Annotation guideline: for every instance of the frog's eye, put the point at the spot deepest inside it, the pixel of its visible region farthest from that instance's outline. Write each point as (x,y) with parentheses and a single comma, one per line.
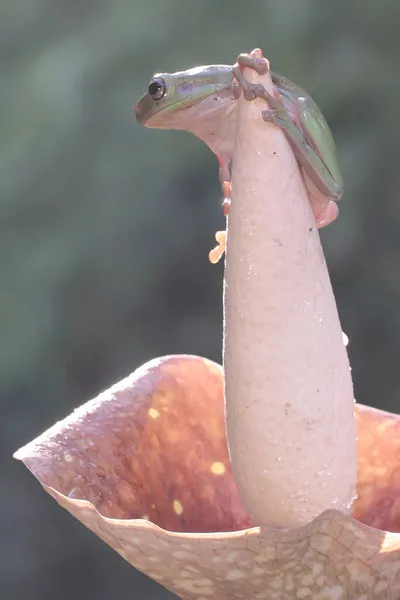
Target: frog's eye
(157,88)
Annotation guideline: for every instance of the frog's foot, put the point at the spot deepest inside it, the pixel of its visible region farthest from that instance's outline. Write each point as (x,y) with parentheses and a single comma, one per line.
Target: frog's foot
(251,91)
(226,204)
(276,112)
(226,190)
(260,65)
(216,253)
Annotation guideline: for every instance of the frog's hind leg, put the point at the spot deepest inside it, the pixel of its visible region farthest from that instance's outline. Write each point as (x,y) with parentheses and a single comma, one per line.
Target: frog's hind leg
(226,190)
(216,253)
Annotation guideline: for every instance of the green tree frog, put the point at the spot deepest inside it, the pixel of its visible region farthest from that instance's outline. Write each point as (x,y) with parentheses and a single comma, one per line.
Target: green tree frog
(202,101)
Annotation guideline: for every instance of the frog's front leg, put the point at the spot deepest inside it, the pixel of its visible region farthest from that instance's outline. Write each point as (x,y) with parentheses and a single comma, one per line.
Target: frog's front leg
(323,188)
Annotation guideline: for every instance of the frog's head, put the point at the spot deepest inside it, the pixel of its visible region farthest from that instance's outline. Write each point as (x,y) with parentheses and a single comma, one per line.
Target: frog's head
(172,98)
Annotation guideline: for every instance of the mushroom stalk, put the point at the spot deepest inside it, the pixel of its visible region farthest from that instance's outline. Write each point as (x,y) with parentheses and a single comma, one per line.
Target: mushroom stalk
(288,389)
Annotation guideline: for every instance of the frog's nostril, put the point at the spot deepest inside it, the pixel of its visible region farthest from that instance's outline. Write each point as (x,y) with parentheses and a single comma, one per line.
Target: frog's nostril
(144,109)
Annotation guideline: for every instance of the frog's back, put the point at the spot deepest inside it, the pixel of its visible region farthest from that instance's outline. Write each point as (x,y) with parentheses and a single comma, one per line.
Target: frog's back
(307,116)
(292,93)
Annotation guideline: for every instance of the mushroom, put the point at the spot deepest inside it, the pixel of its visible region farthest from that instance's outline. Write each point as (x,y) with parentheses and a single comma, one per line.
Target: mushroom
(145,465)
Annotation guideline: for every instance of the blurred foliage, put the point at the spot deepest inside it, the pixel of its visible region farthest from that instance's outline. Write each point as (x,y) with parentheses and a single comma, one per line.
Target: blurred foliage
(106,226)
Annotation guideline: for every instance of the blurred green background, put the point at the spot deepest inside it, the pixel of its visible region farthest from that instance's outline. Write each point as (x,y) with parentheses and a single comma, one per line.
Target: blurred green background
(106,226)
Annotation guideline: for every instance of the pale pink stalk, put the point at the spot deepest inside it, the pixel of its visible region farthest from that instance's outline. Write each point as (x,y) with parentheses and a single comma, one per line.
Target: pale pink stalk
(289,394)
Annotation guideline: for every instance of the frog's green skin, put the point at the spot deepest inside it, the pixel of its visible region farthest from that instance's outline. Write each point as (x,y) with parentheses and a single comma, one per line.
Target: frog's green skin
(201,101)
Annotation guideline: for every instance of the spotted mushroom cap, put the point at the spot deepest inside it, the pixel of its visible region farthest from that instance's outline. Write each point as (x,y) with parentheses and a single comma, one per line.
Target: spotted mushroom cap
(145,466)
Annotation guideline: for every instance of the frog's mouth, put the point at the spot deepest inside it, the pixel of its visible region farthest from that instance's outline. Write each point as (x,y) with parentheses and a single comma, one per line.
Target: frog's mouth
(190,110)
(147,110)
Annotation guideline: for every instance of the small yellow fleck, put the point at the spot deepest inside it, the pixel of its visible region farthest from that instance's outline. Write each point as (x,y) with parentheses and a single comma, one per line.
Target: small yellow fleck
(218,468)
(178,508)
(68,457)
(153,413)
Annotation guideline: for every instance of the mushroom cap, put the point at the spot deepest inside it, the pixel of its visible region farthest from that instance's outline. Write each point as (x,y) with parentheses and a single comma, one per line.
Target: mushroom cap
(145,466)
